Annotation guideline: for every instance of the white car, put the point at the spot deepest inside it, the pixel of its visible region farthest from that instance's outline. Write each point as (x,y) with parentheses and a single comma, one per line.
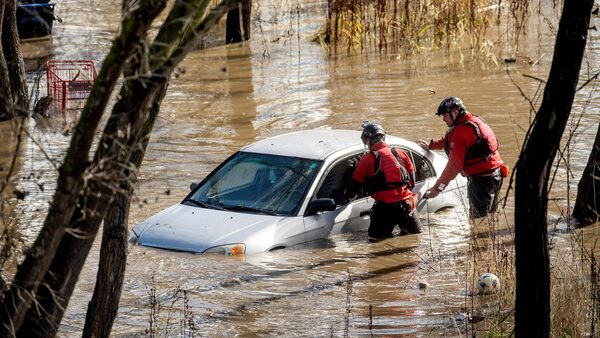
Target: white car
(283,191)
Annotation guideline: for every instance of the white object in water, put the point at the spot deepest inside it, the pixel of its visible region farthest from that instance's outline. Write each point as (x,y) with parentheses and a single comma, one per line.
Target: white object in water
(488,283)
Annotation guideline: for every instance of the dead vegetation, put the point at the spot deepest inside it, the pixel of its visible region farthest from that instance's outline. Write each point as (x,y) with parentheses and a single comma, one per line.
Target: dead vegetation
(406,26)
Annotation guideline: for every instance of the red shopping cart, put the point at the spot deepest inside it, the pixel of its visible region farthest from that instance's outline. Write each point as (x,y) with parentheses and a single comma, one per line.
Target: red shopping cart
(69,83)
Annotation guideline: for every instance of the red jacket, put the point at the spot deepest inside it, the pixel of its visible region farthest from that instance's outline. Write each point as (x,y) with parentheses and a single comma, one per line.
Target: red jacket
(366,170)
(461,143)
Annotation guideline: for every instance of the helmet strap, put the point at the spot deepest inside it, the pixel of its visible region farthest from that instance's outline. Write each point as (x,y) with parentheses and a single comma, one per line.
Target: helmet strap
(454,119)
(366,142)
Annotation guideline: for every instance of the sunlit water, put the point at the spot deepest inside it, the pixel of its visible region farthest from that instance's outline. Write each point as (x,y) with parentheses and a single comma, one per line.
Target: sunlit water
(226,97)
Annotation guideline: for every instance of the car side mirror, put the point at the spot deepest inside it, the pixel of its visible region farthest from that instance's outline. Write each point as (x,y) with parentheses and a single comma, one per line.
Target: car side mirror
(193,185)
(320,204)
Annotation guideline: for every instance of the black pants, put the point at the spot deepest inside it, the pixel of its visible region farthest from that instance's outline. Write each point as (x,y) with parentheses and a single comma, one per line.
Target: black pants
(386,216)
(483,194)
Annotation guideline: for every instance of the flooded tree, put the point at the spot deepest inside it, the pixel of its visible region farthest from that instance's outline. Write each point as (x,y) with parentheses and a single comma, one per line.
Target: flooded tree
(35,301)
(13,87)
(238,23)
(587,204)
(532,304)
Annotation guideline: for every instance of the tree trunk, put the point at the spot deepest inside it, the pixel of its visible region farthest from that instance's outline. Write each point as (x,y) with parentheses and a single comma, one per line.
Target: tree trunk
(233,29)
(238,30)
(104,305)
(14,59)
(246,15)
(587,204)
(6,100)
(532,305)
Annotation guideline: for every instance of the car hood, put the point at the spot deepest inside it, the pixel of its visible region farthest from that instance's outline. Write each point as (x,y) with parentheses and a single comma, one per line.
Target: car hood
(195,229)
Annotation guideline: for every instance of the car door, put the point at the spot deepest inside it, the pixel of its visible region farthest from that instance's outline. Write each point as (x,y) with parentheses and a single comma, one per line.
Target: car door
(348,216)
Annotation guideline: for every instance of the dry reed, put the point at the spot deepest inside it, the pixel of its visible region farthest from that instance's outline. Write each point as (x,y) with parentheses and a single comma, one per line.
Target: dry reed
(391,26)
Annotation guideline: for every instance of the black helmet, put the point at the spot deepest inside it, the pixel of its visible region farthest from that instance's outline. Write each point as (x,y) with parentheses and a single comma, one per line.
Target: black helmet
(450,103)
(372,131)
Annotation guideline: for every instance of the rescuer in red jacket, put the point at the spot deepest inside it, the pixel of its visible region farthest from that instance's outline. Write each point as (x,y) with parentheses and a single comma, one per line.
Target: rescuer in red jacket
(472,150)
(388,176)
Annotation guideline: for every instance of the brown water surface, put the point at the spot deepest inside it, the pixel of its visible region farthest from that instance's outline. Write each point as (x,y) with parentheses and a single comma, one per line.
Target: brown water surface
(226,97)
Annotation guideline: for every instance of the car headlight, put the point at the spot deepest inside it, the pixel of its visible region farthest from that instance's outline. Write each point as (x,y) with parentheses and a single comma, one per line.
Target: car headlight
(137,231)
(228,250)
(133,238)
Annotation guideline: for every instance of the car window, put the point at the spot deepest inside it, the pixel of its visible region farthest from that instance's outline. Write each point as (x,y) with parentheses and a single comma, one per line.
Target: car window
(337,179)
(259,183)
(423,169)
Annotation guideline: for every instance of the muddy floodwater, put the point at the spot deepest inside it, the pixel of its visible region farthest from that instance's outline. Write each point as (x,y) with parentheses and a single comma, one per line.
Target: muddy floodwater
(223,98)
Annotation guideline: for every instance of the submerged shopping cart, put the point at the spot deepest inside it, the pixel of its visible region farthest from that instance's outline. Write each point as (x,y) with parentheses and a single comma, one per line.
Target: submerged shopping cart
(69,83)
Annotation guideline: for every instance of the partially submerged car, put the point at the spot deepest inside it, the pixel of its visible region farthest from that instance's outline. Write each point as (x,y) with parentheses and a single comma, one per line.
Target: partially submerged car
(283,191)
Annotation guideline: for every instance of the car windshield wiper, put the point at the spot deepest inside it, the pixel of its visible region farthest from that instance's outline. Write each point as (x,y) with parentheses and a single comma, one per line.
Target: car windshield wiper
(204,204)
(244,208)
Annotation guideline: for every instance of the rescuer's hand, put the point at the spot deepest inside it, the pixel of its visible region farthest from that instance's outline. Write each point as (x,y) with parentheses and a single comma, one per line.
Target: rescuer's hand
(424,144)
(431,193)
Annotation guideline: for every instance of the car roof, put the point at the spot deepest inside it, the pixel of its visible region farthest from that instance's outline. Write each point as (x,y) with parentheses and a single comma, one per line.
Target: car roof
(315,144)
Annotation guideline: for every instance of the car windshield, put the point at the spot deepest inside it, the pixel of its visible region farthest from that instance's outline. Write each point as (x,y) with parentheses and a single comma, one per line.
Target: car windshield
(257,183)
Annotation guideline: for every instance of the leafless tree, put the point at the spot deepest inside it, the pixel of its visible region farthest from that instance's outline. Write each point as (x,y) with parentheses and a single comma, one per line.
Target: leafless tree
(587,204)
(237,31)
(85,186)
(532,305)
(13,87)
